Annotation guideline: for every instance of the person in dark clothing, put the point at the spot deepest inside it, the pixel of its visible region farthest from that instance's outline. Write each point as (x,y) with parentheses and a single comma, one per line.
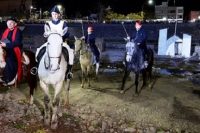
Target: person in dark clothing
(139,37)
(11,41)
(90,40)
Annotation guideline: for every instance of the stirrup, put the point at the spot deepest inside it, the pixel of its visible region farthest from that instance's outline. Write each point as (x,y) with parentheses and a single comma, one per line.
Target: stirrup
(34,70)
(69,75)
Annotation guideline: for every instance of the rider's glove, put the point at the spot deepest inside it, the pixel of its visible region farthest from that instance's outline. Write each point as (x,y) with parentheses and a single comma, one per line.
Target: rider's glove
(46,34)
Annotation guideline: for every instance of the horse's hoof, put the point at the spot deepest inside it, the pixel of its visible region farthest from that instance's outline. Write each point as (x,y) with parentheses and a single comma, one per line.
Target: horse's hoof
(143,86)
(122,91)
(67,106)
(136,94)
(54,125)
(47,122)
(31,100)
(96,79)
(149,85)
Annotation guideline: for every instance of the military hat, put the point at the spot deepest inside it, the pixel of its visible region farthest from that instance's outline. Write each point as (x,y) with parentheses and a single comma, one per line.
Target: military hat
(12,18)
(55,9)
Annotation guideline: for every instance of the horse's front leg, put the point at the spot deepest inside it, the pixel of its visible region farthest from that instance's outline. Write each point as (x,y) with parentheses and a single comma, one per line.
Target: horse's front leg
(82,79)
(47,107)
(32,82)
(47,110)
(88,75)
(144,76)
(55,105)
(67,88)
(83,76)
(136,82)
(97,70)
(126,74)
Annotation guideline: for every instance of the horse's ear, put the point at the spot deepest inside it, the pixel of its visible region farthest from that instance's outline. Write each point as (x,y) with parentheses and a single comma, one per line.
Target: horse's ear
(76,38)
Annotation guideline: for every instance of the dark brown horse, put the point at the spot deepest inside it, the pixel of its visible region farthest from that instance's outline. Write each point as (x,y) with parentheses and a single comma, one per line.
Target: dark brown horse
(28,69)
(136,65)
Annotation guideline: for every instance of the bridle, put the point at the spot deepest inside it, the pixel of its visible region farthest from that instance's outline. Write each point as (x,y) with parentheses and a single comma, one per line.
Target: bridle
(52,57)
(130,49)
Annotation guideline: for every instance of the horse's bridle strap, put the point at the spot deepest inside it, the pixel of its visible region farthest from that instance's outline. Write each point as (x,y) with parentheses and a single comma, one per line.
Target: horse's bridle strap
(129,54)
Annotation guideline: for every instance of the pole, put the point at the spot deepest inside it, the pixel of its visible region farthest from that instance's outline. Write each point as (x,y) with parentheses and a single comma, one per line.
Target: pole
(142,13)
(124,29)
(175,21)
(175,25)
(30,13)
(82,27)
(40,13)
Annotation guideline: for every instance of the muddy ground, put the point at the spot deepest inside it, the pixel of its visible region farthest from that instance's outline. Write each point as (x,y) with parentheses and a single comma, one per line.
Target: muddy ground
(173,105)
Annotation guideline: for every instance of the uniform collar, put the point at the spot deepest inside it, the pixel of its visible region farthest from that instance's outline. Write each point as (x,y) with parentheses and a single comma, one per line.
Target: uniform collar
(55,22)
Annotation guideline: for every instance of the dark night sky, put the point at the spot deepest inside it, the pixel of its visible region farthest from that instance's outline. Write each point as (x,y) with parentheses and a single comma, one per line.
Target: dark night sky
(86,7)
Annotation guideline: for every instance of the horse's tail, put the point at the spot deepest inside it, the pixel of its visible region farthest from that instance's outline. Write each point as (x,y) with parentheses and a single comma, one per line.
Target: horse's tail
(31,78)
(150,63)
(150,57)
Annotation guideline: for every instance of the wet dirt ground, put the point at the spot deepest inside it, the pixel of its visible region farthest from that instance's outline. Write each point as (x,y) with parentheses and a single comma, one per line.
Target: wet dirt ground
(173,105)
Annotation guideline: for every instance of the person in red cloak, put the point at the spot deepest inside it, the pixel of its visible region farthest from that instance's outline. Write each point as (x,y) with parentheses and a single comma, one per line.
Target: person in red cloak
(11,41)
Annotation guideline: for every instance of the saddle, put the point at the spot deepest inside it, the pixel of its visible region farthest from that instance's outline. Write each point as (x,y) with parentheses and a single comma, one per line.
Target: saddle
(43,50)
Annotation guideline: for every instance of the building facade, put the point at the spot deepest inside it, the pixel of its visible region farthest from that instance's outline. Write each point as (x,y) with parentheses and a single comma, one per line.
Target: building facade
(164,11)
(14,7)
(194,16)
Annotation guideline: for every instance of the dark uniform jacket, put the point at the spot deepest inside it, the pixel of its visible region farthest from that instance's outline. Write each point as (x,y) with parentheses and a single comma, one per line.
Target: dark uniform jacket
(90,39)
(139,37)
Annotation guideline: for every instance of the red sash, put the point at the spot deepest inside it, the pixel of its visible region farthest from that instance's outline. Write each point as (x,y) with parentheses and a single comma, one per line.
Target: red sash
(17,52)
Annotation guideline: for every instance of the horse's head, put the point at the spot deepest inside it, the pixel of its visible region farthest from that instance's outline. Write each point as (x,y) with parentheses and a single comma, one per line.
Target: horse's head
(54,50)
(2,58)
(130,48)
(78,44)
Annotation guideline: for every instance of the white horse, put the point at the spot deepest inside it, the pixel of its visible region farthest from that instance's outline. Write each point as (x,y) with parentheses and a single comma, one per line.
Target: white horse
(51,71)
(86,60)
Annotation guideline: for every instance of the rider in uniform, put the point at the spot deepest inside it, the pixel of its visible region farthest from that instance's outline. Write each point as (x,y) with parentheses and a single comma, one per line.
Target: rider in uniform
(139,37)
(11,41)
(56,25)
(90,40)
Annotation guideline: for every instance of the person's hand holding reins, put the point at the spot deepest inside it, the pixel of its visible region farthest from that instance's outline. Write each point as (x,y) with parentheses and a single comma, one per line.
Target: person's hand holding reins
(2,44)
